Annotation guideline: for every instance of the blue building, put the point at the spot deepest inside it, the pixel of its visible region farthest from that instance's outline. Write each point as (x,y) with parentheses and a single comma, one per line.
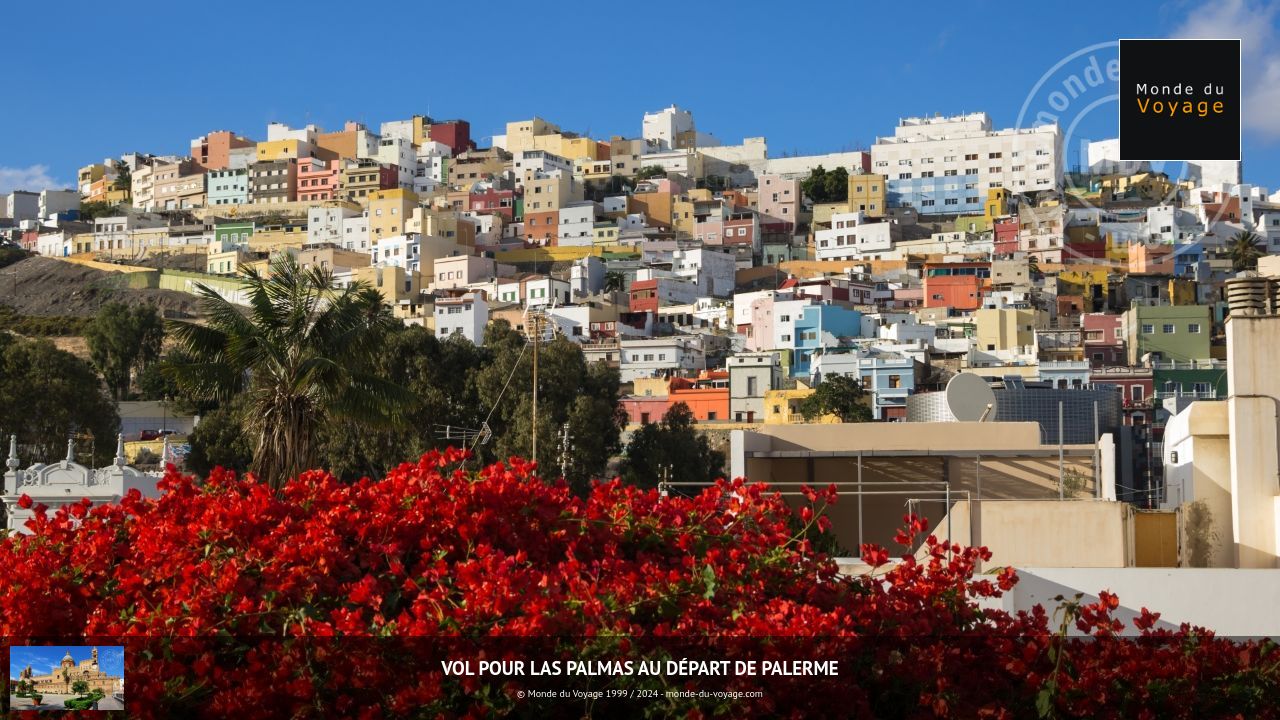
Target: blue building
(822,326)
(946,195)
(888,378)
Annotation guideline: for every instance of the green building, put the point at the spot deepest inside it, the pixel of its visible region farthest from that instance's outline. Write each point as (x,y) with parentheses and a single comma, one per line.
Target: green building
(232,234)
(1168,332)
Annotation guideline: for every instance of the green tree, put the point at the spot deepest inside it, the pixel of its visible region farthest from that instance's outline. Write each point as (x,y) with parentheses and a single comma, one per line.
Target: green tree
(437,374)
(220,441)
(823,187)
(80,687)
(1244,249)
(124,340)
(303,353)
(45,394)
(92,210)
(571,391)
(673,449)
(614,281)
(124,176)
(838,395)
(651,171)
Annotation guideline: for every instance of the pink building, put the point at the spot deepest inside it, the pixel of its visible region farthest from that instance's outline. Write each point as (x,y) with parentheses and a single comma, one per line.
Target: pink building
(760,332)
(317,180)
(779,202)
(1104,339)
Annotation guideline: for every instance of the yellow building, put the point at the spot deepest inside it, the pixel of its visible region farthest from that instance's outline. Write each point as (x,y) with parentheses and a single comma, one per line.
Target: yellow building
(274,238)
(283,149)
(521,134)
(1006,328)
(867,194)
(390,212)
(63,678)
(1148,186)
(997,204)
(472,166)
(782,407)
(395,284)
(88,175)
(605,234)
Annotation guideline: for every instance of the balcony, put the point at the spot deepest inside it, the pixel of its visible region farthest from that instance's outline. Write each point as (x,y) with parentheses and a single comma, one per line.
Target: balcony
(1210,394)
(1189,365)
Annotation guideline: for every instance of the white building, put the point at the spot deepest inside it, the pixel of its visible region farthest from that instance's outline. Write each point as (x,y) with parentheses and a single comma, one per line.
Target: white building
(403,251)
(714,272)
(851,237)
(465,315)
(66,482)
(355,232)
(324,223)
(654,357)
(1104,159)
(751,375)
(53,202)
(946,165)
(23,205)
(665,127)
(460,271)
(577,224)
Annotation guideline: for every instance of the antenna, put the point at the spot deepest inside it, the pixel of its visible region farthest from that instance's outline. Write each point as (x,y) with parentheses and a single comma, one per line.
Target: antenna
(970,398)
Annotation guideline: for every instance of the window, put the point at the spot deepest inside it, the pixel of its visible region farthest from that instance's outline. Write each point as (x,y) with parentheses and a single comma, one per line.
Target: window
(971,171)
(711,415)
(1136,392)
(949,173)
(895,381)
(952,201)
(993,156)
(995,169)
(1167,328)
(904,176)
(1193,328)
(926,203)
(1119,332)
(1202,389)
(927,174)
(1148,329)
(973,156)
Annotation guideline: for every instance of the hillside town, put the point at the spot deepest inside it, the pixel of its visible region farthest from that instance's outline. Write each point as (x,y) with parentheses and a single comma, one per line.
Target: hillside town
(1090,298)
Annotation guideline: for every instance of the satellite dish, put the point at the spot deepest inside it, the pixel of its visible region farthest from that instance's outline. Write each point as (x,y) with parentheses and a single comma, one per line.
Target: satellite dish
(970,398)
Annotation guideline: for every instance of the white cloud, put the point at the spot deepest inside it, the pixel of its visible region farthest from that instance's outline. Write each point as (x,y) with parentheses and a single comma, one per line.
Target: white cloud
(1254,24)
(34,178)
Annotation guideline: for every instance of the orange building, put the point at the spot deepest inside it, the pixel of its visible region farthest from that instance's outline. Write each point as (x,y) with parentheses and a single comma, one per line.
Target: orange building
(956,285)
(1152,259)
(542,228)
(213,151)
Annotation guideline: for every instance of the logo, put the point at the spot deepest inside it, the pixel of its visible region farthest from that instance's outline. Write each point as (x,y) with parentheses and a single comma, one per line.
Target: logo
(1180,98)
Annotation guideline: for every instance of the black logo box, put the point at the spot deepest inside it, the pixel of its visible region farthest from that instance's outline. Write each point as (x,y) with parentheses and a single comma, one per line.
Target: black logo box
(1186,68)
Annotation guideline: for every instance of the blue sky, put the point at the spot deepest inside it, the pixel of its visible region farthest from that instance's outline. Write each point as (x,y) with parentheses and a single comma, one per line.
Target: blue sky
(89,80)
(45,658)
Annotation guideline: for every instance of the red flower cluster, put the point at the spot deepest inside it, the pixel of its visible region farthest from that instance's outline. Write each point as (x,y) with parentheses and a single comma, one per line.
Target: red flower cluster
(333,600)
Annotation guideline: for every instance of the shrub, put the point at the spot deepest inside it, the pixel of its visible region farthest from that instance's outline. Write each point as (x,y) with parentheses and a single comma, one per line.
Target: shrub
(333,600)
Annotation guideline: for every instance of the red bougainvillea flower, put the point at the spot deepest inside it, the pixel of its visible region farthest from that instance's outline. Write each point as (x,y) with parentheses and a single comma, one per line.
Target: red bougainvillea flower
(334,600)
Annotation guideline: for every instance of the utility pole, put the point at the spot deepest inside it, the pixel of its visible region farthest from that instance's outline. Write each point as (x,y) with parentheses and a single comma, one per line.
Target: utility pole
(534,317)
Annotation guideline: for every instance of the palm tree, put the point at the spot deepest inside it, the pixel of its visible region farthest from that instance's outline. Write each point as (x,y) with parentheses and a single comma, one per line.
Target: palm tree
(1244,249)
(303,354)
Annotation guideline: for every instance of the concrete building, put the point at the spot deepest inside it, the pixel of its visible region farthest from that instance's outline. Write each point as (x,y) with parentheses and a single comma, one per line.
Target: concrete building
(56,202)
(1168,332)
(213,150)
(887,379)
(652,357)
(227,187)
(318,180)
(22,205)
(325,222)
(465,315)
(868,194)
(946,165)
(780,199)
(274,181)
(751,375)
(360,179)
